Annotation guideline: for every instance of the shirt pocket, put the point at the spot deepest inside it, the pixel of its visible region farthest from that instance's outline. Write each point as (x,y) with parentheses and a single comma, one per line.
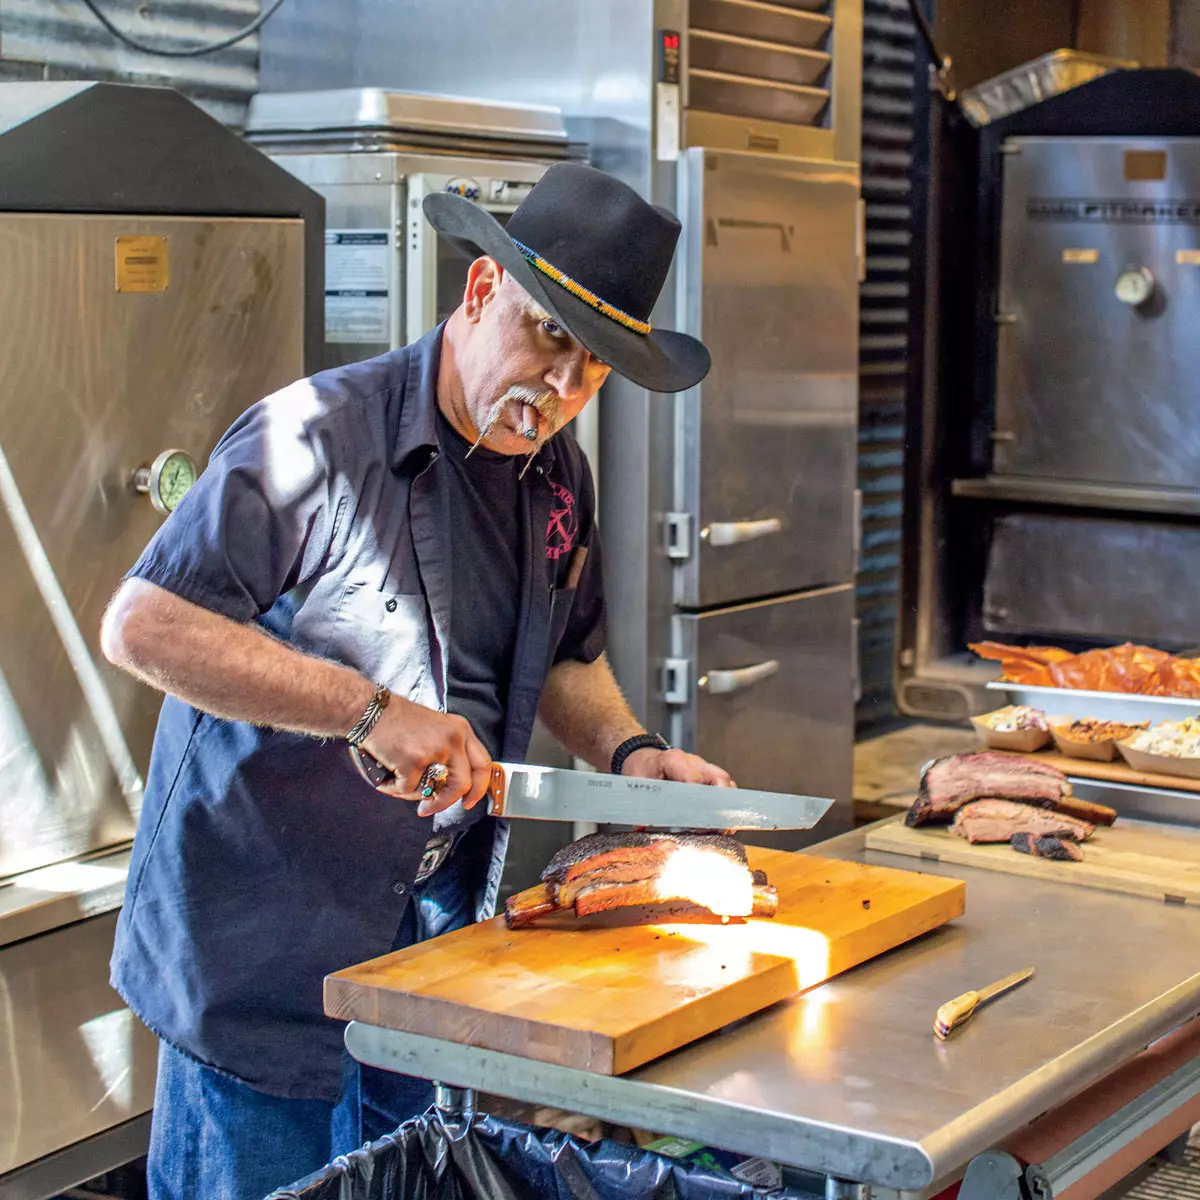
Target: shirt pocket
(385,635)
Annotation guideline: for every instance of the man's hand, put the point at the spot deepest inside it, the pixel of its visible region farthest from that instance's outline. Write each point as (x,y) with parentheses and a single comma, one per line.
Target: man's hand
(675,764)
(409,737)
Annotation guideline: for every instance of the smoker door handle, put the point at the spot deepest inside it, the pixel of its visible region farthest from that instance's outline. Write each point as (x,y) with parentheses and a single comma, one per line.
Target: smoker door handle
(718,683)
(730,533)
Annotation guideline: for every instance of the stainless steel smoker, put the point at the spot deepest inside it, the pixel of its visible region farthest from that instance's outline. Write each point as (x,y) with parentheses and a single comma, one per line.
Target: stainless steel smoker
(1055,478)
(153,287)
(729,512)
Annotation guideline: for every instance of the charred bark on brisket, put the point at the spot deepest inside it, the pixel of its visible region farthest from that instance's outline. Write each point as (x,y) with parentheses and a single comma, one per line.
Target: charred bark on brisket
(1060,849)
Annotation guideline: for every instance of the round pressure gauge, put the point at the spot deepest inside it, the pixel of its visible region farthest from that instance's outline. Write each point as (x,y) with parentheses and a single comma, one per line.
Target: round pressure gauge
(167,479)
(1135,287)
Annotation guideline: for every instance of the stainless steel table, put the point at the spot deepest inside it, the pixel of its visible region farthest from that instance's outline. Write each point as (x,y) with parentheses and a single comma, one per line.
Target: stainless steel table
(849,1081)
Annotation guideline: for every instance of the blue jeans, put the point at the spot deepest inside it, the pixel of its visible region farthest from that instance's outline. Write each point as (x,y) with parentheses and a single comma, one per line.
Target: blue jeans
(216,1138)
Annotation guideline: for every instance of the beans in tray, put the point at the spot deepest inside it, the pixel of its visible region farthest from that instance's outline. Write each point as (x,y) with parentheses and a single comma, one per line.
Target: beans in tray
(1089,729)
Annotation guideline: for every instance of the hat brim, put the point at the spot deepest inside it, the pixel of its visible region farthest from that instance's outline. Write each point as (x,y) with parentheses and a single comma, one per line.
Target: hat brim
(661,360)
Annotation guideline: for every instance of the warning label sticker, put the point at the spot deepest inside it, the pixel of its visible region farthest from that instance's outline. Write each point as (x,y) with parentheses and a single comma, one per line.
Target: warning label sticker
(357,271)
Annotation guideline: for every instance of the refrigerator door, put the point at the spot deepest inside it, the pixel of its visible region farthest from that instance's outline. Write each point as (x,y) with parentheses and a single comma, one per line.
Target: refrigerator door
(769,695)
(766,445)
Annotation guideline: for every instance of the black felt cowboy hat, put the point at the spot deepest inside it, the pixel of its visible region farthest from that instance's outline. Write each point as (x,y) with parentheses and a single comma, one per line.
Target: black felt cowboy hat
(595,255)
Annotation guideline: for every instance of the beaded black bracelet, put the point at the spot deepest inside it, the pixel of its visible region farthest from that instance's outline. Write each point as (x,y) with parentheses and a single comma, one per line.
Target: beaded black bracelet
(641,741)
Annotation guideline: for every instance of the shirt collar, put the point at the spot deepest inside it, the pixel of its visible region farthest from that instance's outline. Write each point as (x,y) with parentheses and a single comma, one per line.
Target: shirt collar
(417,427)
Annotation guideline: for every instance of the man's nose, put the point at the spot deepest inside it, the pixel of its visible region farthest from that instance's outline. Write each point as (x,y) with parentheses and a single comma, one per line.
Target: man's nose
(568,376)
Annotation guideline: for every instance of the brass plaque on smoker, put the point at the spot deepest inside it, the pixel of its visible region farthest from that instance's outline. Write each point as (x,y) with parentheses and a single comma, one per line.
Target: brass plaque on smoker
(143,264)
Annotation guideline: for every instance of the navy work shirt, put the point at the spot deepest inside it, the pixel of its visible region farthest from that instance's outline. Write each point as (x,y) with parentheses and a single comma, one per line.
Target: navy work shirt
(263,861)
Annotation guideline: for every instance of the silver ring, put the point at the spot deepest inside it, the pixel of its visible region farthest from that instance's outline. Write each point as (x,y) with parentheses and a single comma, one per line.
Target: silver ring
(433,779)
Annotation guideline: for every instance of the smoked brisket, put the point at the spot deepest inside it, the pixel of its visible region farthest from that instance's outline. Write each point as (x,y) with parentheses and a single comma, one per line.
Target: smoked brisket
(950,783)
(610,871)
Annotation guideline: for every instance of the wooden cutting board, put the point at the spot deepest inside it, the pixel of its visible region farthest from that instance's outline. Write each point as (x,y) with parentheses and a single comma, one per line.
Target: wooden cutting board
(607,997)
(1133,857)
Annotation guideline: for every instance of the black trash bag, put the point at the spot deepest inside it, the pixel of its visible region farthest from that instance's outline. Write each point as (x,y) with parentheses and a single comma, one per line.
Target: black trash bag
(480,1157)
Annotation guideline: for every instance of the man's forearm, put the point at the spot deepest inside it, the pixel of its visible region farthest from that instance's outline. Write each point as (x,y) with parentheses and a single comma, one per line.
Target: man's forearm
(226,668)
(582,705)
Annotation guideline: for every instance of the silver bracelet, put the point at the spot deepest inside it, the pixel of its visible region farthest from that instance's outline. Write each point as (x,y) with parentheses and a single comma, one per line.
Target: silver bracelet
(366,722)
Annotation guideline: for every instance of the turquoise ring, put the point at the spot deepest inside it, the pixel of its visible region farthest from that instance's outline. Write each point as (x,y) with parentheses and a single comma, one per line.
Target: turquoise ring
(434,779)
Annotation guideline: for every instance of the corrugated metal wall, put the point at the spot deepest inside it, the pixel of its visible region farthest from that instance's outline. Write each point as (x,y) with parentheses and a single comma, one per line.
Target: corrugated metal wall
(61,39)
(889,59)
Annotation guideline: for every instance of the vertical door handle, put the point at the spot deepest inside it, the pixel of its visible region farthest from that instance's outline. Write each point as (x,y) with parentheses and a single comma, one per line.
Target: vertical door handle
(860,240)
(718,683)
(730,533)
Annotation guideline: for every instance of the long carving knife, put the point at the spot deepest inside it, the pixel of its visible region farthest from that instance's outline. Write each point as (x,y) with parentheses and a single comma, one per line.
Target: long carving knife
(555,794)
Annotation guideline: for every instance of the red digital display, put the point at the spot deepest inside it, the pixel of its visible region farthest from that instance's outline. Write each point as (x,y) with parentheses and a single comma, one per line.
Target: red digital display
(669,53)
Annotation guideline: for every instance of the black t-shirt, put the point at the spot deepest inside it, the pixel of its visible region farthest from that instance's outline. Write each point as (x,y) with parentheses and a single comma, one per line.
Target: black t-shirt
(485,536)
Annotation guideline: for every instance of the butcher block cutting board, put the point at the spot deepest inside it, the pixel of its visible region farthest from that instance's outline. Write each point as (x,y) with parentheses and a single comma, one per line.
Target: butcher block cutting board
(607,997)
(1117,771)
(1134,857)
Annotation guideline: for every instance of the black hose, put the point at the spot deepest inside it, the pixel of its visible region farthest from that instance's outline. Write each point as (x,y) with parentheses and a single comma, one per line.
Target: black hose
(190,51)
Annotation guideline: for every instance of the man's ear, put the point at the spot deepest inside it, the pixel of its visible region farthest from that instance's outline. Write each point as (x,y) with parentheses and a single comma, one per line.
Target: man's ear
(484,277)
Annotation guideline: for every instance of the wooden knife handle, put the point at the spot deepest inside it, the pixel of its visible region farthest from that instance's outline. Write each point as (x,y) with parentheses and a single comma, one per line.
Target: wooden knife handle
(954,1012)
(495,792)
(377,775)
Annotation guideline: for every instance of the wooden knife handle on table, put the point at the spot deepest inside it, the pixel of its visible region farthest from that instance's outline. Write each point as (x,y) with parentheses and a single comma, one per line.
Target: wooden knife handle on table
(954,1012)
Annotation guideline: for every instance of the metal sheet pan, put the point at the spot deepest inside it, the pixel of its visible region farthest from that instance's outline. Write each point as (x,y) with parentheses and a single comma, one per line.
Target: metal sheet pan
(1106,706)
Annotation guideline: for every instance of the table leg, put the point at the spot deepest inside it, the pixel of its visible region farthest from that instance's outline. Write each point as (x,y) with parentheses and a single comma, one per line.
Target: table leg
(844,1189)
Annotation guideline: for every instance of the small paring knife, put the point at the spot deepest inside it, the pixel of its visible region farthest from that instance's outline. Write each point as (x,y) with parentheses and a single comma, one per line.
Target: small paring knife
(955,1012)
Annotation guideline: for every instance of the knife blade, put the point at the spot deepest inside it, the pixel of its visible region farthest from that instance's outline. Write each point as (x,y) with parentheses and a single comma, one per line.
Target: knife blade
(533,793)
(955,1012)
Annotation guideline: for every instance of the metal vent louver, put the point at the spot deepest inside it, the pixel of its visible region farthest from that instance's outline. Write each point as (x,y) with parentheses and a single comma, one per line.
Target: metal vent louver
(889,66)
(764,61)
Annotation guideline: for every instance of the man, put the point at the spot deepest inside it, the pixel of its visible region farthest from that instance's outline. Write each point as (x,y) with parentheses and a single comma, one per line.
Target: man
(393,554)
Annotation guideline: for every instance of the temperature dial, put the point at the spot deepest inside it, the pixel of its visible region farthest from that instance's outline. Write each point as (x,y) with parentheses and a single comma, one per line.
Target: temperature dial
(167,479)
(1135,287)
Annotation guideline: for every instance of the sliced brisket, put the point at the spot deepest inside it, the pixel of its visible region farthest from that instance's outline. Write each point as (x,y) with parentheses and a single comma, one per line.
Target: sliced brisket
(1000,820)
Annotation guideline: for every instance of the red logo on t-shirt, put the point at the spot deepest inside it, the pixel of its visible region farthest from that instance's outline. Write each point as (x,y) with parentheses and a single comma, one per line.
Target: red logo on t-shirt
(564,523)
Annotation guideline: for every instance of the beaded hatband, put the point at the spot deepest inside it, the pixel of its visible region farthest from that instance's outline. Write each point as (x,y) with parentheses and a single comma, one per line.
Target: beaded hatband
(577,289)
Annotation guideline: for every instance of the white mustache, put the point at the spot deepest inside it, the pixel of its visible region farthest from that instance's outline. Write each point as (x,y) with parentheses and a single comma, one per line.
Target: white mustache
(545,402)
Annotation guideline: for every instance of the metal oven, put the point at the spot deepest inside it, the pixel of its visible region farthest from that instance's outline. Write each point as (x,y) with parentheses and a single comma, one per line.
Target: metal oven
(141,311)
(1055,481)
(374,155)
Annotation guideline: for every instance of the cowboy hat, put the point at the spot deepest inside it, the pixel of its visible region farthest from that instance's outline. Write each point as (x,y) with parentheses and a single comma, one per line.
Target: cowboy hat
(595,255)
